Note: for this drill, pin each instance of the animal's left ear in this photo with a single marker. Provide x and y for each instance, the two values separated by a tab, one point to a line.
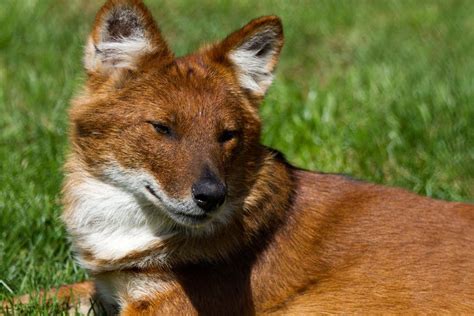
253	52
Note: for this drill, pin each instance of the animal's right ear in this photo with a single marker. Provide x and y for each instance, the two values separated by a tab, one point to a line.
124	33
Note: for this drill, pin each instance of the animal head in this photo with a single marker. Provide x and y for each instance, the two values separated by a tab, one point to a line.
162	141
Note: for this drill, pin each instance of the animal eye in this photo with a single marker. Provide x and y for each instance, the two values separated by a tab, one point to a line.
227	135
161	128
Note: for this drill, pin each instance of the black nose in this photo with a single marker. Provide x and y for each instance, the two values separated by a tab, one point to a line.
209	193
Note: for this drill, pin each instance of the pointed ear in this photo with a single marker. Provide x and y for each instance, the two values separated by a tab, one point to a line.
123	34
253	52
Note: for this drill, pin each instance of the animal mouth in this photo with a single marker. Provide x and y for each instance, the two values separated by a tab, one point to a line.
152	192
193	217
187	218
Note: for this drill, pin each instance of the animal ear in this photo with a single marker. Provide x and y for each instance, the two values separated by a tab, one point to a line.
124	32
253	52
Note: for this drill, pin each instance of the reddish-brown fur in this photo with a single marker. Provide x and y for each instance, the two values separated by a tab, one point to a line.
299	242
70	296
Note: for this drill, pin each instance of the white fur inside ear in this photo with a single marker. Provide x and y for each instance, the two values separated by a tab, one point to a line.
121	53
122	41
255	61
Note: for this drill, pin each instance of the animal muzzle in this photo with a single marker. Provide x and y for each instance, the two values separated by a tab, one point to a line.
209	192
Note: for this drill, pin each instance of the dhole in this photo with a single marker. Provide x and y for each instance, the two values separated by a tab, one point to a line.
174	207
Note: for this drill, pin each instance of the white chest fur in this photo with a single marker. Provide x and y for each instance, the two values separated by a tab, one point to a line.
109	221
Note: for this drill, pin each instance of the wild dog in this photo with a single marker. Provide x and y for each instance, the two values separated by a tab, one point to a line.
174	206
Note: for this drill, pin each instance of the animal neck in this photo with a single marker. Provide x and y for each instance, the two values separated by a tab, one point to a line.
262	209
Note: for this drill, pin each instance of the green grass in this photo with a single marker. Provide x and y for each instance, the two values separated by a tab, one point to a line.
383	91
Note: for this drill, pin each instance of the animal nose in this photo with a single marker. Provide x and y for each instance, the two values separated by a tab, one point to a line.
209	194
